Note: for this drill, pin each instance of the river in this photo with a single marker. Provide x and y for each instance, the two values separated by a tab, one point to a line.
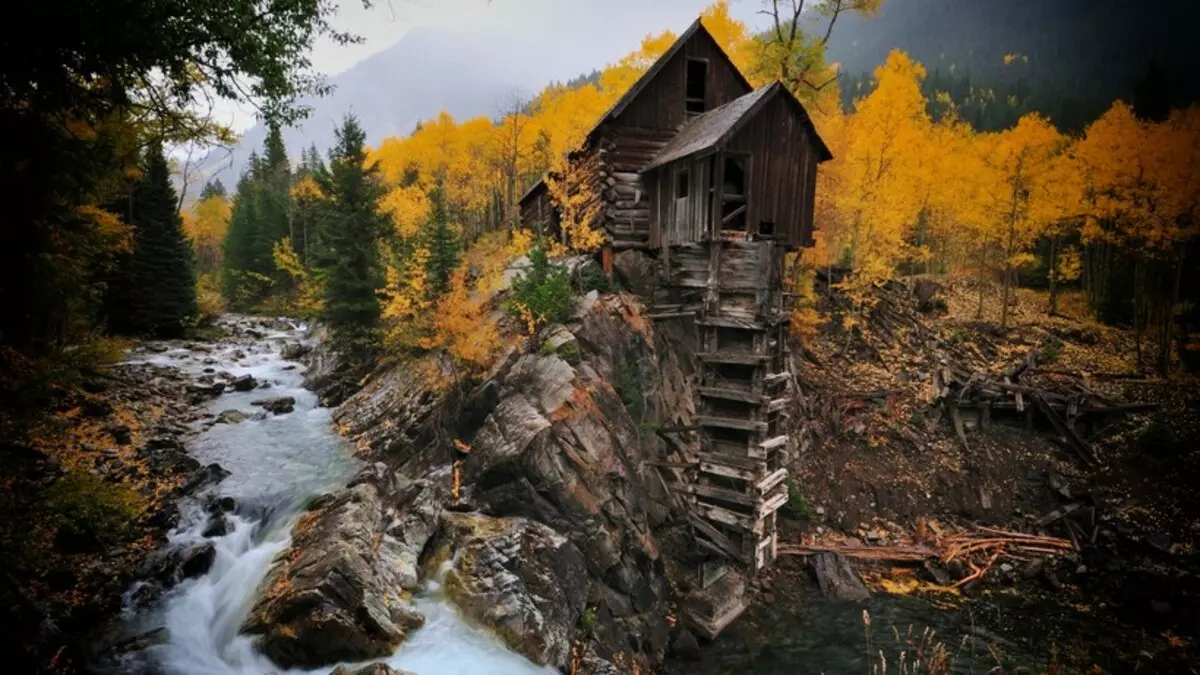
276	465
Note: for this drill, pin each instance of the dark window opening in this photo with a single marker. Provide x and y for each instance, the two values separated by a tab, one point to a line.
696	89
766	229
681	184
733	197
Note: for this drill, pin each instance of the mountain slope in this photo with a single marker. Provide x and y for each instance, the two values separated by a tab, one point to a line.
1082	54
425	72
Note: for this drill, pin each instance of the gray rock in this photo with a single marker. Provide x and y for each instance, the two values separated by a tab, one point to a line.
243	383
635	271
293	351
343	591
518	577
685	646
198	561
230	416
279	405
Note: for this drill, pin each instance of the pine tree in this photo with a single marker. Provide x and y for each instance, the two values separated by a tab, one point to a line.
443	243
238	284
213	188
157	279
349	234
275	207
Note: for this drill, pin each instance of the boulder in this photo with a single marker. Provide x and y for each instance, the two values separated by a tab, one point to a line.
200	392
343	591
230	417
243	383
293	351
197	561
634	270
279	405
519	577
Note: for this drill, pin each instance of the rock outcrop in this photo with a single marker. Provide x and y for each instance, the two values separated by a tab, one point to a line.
551	542
519	577
343	591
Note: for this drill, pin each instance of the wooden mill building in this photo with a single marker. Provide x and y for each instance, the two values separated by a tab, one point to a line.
716	179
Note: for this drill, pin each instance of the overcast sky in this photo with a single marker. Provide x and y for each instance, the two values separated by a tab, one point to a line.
553	39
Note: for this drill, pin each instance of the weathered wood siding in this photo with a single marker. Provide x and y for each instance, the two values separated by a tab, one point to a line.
660	104
783	171
680	221
623	151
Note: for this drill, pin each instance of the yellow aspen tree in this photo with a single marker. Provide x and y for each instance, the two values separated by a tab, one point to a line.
1020	203
880	174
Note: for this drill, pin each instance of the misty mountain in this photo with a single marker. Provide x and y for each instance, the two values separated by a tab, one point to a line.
1082	54
424	72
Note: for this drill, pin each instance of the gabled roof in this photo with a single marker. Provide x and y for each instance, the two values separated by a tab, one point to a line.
708	129
655	68
716	126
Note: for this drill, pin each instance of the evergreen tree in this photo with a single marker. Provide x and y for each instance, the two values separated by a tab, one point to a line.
443	243
241	261
349	234
213	188
156	289
275	207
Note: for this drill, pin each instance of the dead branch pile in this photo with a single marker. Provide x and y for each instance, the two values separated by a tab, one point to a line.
977	550
1075	412
980	550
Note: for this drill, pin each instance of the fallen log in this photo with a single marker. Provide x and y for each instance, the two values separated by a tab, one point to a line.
888	553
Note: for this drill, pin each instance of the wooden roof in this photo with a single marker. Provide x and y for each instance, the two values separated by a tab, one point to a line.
655	68
715	127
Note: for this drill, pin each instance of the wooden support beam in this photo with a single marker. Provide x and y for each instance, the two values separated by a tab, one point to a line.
741	462
733	215
775	378
728	471
724	494
769	483
778	404
722	543
730	394
772	505
774	443
733	423
735	358
725	516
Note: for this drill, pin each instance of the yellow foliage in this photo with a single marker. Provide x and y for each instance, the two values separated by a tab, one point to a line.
206	226
307	188
306	291
108	226
579	208
462	325
408	208
406	305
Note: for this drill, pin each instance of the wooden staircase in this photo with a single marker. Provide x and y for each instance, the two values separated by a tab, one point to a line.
734	291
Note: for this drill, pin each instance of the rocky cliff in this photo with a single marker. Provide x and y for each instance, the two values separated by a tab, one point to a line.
530	494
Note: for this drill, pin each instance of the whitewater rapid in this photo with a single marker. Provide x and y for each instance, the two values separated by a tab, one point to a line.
276	465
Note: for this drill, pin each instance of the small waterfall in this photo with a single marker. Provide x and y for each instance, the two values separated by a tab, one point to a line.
277	464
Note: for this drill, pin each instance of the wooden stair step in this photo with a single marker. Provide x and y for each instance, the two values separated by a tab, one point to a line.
729	394
737	358
732	423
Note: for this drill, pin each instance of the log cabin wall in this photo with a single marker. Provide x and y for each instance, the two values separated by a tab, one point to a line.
782	172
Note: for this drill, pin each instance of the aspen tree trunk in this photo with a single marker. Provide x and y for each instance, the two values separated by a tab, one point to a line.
1053	274
1138	304
982	266
1168	321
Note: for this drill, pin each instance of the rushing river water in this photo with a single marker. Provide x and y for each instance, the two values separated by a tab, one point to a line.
276	464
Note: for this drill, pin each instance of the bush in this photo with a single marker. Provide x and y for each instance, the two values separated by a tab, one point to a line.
1050	349
592	279
544	292
83	507
629	387
797	505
